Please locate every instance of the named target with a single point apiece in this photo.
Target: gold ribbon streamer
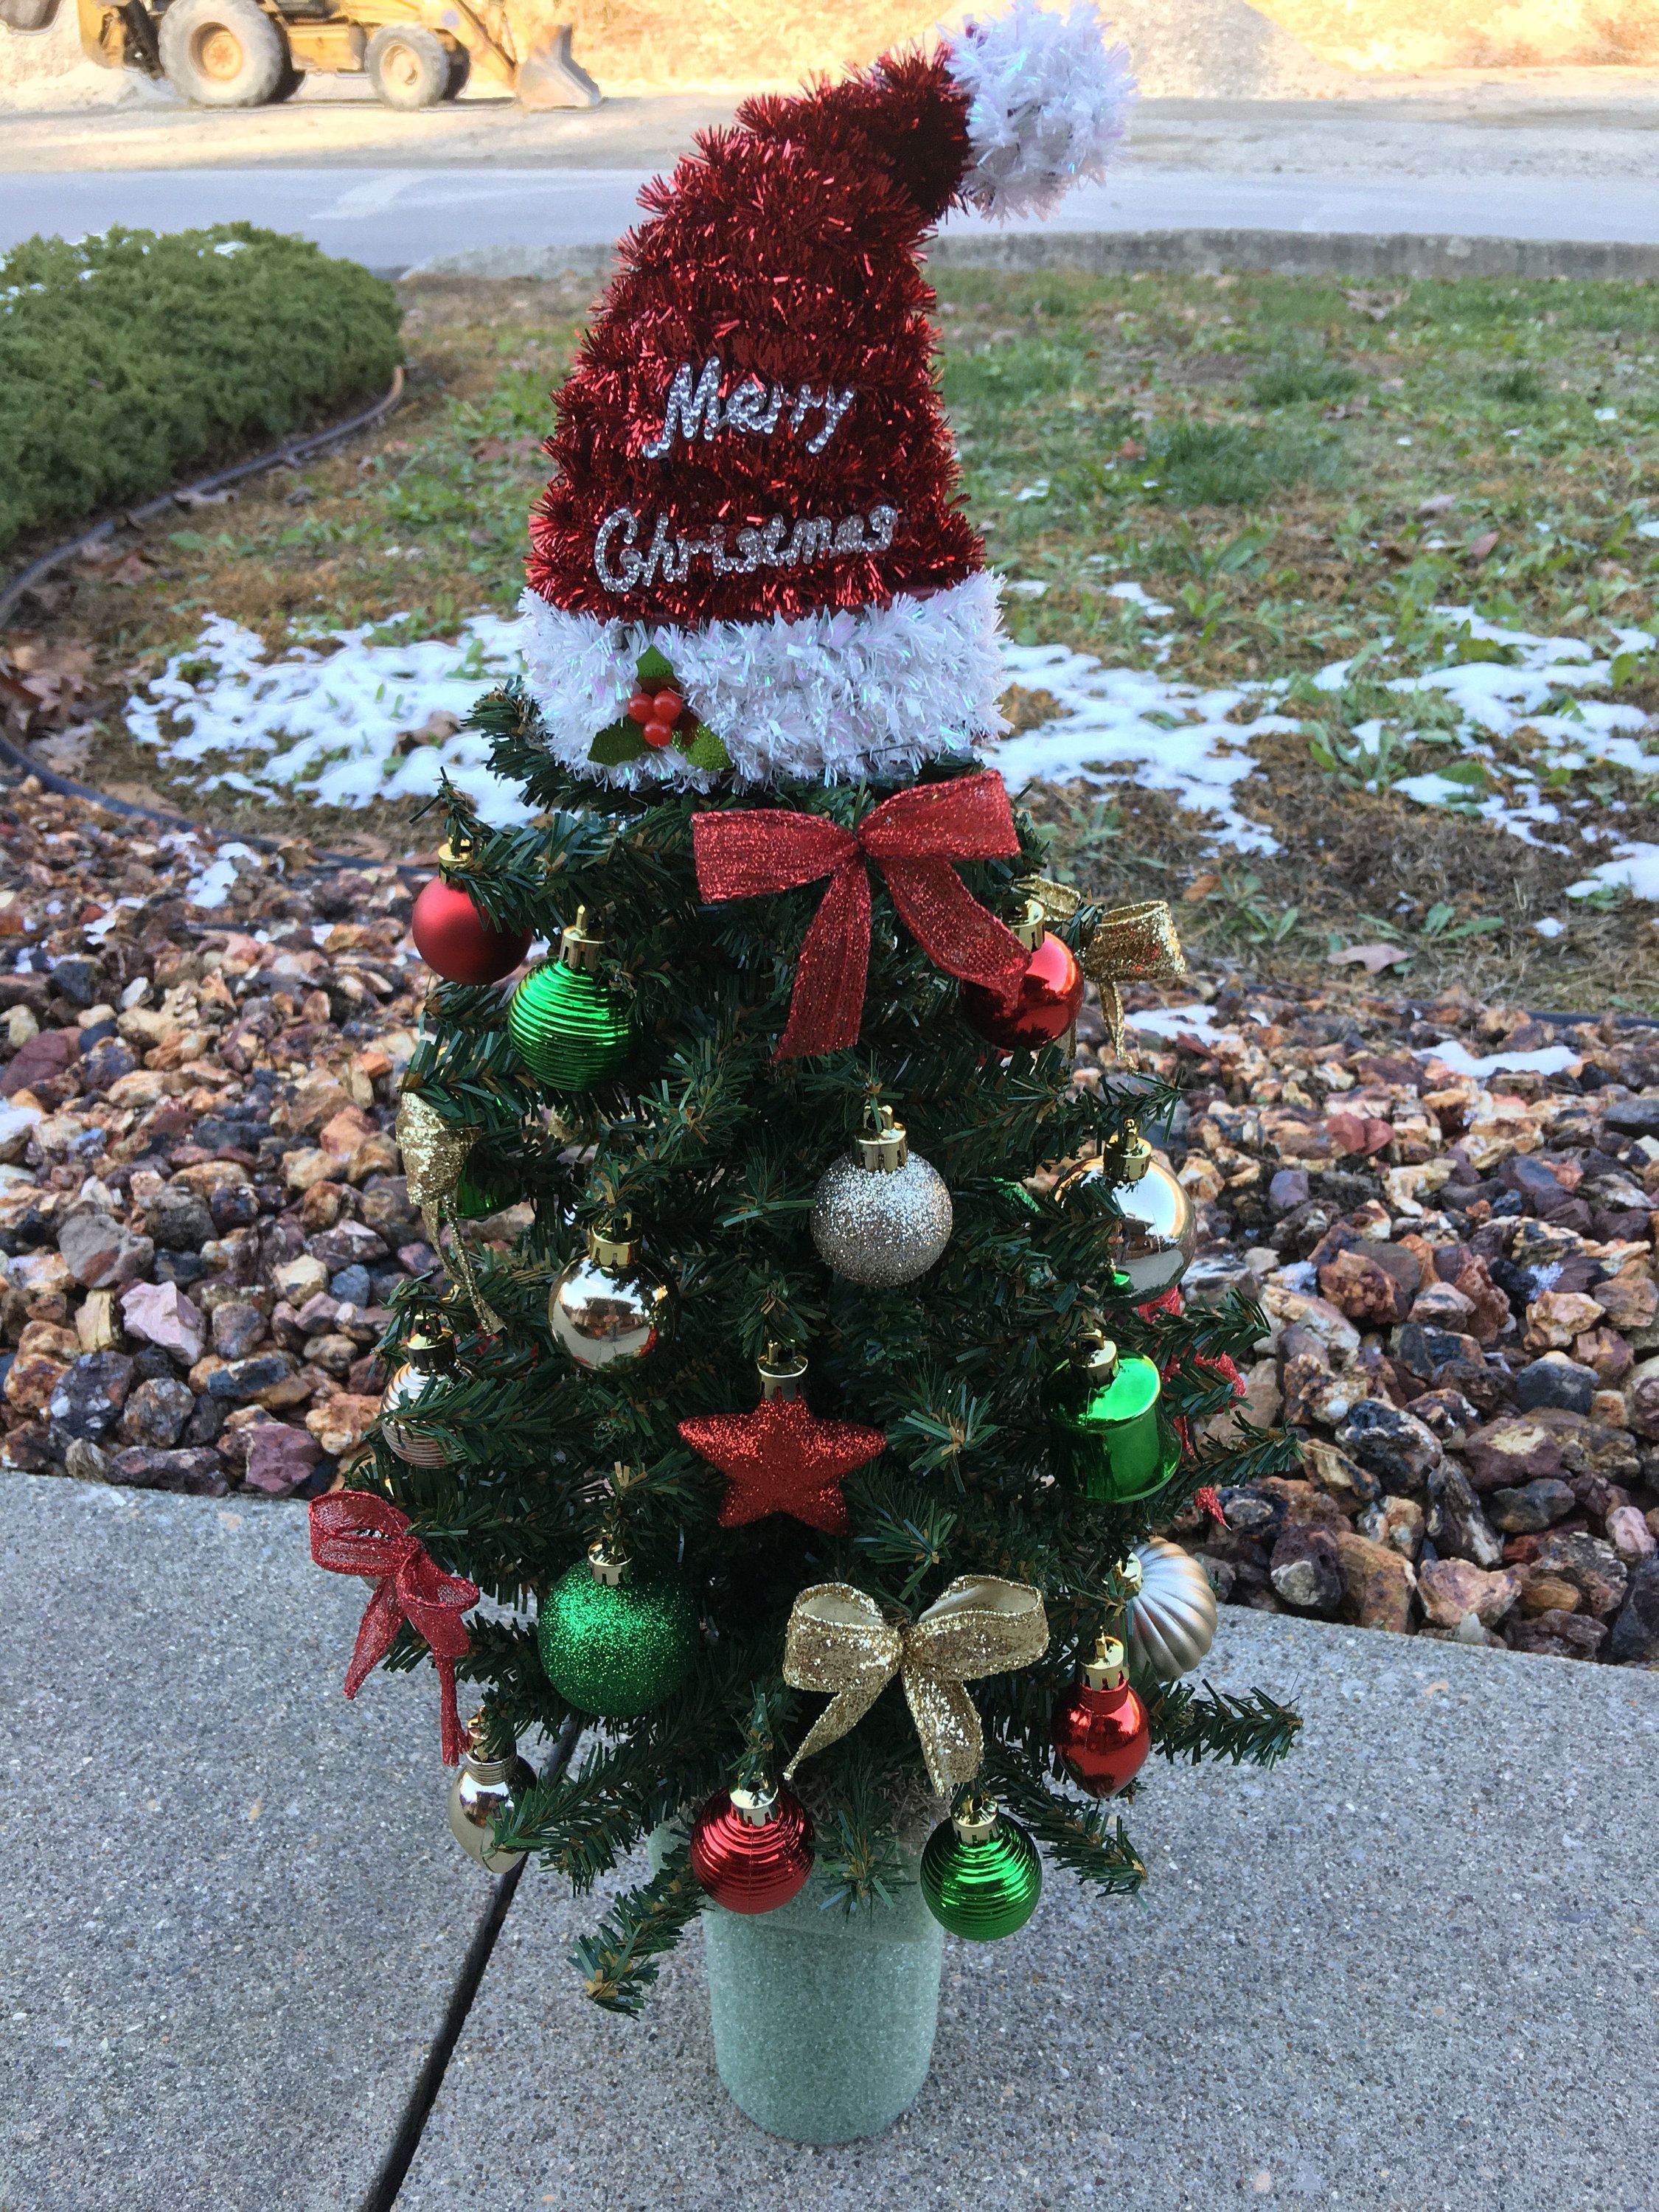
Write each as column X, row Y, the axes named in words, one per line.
column 434, row 1152
column 839, row 1640
column 1128, row 944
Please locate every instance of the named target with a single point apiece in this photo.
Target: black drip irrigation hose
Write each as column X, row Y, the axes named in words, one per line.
column 289, row 455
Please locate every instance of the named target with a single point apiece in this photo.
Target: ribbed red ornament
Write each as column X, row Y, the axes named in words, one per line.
column 750, row 1868
column 1104, row 1737
column 1042, row 1006
column 453, row 938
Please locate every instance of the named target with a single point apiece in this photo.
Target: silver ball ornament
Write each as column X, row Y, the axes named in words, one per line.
column 484, row 1788
column 1170, row 1621
column 606, row 1305
column 881, row 1214
column 1159, row 1234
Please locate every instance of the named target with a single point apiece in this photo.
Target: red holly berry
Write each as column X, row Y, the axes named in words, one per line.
column 642, row 707
column 657, row 734
column 667, row 706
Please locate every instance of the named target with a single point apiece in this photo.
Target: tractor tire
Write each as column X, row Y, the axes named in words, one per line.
column 408, row 67
column 460, row 68
column 286, row 85
column 222, row 53
column 27, row 15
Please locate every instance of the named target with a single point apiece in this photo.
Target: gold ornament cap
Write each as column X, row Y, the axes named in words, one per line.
column 976, row 1819
column 576, row 948
column 882, row 1148
column 1032, row 925
column 1131, row 1574
column 781, row 1373
column 613, row 1246
column 477, row 1759
column 755, row 1808
column 1096, row 1357
column 429, row 1348
column 1104, row 1667
column 607, row 1564
column 1134, row 1155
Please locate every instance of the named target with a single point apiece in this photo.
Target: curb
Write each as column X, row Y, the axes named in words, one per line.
column 1197, row 252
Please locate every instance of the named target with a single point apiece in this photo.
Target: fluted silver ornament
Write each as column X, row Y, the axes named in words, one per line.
column 1158, row 1233
column 484, row 1788
column 429, row 1352
column 1170, row 1621
column 881, row 1215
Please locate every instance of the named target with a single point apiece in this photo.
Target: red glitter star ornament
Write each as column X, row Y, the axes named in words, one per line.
column 781, row 1458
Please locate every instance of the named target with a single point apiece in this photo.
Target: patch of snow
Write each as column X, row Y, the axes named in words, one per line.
column 1196, row 1020
column 1550, row 927
column 1026, row 587
column 1546, row 1060
column 1636, row 866
column 1647, row 529
column 1137, row 595
column 1037, row 490
column 209, row 886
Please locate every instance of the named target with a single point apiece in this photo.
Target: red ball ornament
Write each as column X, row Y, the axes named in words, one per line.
column 752, row 1849
column 1101, row 1732
column 451, row 936
column 1043, row 1005
column 641, row 709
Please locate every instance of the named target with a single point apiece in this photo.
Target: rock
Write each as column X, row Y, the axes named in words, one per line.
column 1396, row 1522
column 196, row 1472
column 1443, row 1360
column 1642, row 1398
column 1343, row 1479
column 1592, row 1447
column 1607, row 1407
column 321, row 1207
column 84, row 1461
column 297, row 1280
column 1489, row 1314
column 32, row 1379
column 1290, row 1309
column 1605, row 1352
column 1288, row 1190
column 350, row 1285
column 95, row 1326
column 302, row 1169
column 1453, row 1521
column 101, row 1253
column 155, row 1413
column 1542, row 1592
column 279, row 1458
column 1555, row 1317
column 238, row 1327
column 1635, row 1636
column 1449, row 1413
column 1630, row 1535
column 350, row 1243
column 1593, row 1567
column 1394, row 1445
column 1557, row 1380
column 1357, row 1286
column 1379, row 1588
column 1248, row 1511
column 180, row 1220
column 1511, row 1451
column 160, row 1314
column 1450, row 1589
column 1559, row 1635
column 1535, row 1506
column 1440, row 1306
column 341, row 1423
column 1318, row 1395
column 240, row 1380
column 344, row 1132
column 387, row 1210
column 89, row 1398
column 37, row 1059
column 1306, row 1569
column 1630, row 1300
column 1632, row 1117
column 335, row 1354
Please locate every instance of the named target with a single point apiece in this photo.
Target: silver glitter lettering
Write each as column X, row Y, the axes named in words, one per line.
column 621, row 578
column 777, row 543
column 805, row 400
column 746, row 408
column 693, row 409
column 835, row 404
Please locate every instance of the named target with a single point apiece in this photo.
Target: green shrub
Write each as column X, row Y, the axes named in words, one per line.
column 1521, row 384
column 130, row 360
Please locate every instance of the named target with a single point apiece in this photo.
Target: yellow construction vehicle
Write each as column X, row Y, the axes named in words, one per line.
column 248, row 53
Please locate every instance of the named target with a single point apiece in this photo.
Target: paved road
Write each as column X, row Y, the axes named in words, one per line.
column 394, row 218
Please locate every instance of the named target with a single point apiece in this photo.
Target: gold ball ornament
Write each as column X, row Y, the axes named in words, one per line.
column 484, row 1788
column 1158, row 1233
column 430, row 1356
column 607, row 1305
column 1170, row 1620
column 881, row 1215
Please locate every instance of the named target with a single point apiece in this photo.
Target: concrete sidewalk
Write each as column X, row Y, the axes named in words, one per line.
column 1415, row 1967
column 234, row 1914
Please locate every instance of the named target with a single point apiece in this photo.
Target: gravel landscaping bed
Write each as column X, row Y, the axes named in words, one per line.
column 203, row 1215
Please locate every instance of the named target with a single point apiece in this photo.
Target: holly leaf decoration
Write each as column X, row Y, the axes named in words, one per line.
column 653, row 667
column 618, row 742
column 706, row 749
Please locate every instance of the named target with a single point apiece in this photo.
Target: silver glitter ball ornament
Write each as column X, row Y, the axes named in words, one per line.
column 1170, row 1621
column 1158, row 1233
column 881, row 1215
column 481, row 1791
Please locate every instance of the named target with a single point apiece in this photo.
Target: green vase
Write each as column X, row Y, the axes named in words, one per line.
column 823, row 2021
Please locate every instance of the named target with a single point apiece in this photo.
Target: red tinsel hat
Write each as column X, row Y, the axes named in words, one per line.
column 753, row 532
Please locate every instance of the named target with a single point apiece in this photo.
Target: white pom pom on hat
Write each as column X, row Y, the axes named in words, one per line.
column 1048, row 105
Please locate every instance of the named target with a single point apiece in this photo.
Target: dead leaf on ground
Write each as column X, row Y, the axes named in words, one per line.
column 1478, row 548
column 1374, row 958
column 1200, row 887
column 135, row 569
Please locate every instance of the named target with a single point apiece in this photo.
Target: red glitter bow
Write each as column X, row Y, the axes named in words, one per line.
column 355, row 1533
column 912, row 838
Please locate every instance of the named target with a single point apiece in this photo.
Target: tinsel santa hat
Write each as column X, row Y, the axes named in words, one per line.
column 752, row 534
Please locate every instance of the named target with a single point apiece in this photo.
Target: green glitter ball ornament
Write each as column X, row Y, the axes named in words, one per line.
column 614, row 1641
column 569, row 1032
column 1108, row 1435
column 980, row 1873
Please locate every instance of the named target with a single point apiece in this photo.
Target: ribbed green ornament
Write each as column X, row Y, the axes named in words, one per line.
column 1108, row 1436
column 981, row 1875
column 615, row 1641
column 568, row 1030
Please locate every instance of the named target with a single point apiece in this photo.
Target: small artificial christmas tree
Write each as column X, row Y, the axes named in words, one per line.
column 810, row 1378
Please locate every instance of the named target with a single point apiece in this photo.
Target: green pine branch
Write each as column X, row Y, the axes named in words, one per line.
column 1087, row 1839
column 620, row 1962
column 1197, row 1724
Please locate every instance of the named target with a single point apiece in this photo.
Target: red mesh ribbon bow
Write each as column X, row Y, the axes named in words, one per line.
column 912, row 838
column 355, row 1533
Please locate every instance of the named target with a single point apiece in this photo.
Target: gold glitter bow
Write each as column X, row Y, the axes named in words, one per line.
column 435, row 1151
column 1128, row 944
column 839, row 1640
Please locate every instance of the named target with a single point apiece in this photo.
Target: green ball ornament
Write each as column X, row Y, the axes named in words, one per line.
column 569, row 1032
column 484, row 1186
column 615, row 1641
column 980, row 1874
column 1109, row 1438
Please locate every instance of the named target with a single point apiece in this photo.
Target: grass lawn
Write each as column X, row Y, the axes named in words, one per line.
column 1272, row 503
